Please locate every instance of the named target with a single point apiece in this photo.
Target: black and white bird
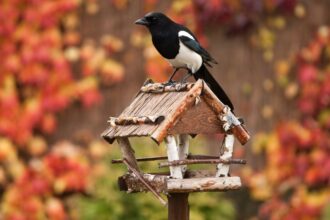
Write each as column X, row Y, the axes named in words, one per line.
column 178, row 45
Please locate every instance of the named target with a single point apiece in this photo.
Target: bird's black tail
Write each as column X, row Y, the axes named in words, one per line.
column 205, row 75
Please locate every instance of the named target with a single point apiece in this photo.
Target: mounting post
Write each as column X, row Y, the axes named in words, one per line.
column 178, row 206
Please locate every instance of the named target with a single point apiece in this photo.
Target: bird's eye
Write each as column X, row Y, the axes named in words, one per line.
column 152, row 18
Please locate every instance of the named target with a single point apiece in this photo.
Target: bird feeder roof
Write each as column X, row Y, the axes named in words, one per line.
column 159, row 110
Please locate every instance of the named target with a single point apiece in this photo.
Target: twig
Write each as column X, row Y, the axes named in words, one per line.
column 145, row 159
column 201, row 161
column 199, row 156
column 140, row 177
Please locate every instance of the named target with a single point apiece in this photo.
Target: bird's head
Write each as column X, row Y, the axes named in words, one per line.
column 153, row 19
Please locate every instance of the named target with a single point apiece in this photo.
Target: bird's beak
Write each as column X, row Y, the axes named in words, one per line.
column 142, row 21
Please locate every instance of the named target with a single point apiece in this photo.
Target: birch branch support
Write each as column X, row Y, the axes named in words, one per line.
column 140, row 177
column 161, row 87
column 128, row 152
column 203, row 184
column 134, row 120
column 196, row 182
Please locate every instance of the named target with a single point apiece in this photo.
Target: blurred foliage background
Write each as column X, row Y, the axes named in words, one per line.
column 67, row 65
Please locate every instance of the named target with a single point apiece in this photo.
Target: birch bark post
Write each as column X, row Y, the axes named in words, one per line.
column 228, row 147
column 183, row 150
column 173, row 154
column 178, row 206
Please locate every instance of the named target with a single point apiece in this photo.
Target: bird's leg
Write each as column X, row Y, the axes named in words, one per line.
column 170, row 81
column 189, row 74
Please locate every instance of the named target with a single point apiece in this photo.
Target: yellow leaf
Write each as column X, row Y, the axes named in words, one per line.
column 268, row 55
column 71, row 21
column 98, row 149
column 7, row 150
column 92, row 8
column 16, row 168
column 261, row 189
column 120, row 4
column 72, row 54
column 268, row 85
column 259, row 143
column 300, row 11
column 112, row 43
column 277, row 22
column 37, row 146
column 178, row 6
column 291, row 90
column 267, row 111
column 59, row 185
column 111, row 71
column 282, row 68
column 318, row 198
column 3, row 178
column 267, row 38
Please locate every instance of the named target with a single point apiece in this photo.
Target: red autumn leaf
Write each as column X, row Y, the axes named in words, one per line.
column 48, row 123
column 307, row 73
column 90, row 97
column 307, row 106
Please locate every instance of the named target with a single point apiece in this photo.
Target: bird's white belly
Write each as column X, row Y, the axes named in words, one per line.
column 186, row 58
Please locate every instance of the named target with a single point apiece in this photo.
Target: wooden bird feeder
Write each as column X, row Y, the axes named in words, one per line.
column 173, row 114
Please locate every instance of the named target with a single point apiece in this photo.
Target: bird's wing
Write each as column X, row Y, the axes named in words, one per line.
column 195, row 46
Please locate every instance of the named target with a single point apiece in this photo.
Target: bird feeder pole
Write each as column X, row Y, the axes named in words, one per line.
column 178, row 206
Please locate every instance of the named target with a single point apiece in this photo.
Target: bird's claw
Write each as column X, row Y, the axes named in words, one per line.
column 184, row 79
column 169, row 83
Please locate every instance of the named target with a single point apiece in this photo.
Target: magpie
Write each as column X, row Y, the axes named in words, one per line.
column 178, row 45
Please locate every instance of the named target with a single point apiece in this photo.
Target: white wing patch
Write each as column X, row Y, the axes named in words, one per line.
column 186, row 57
column 185, row 33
